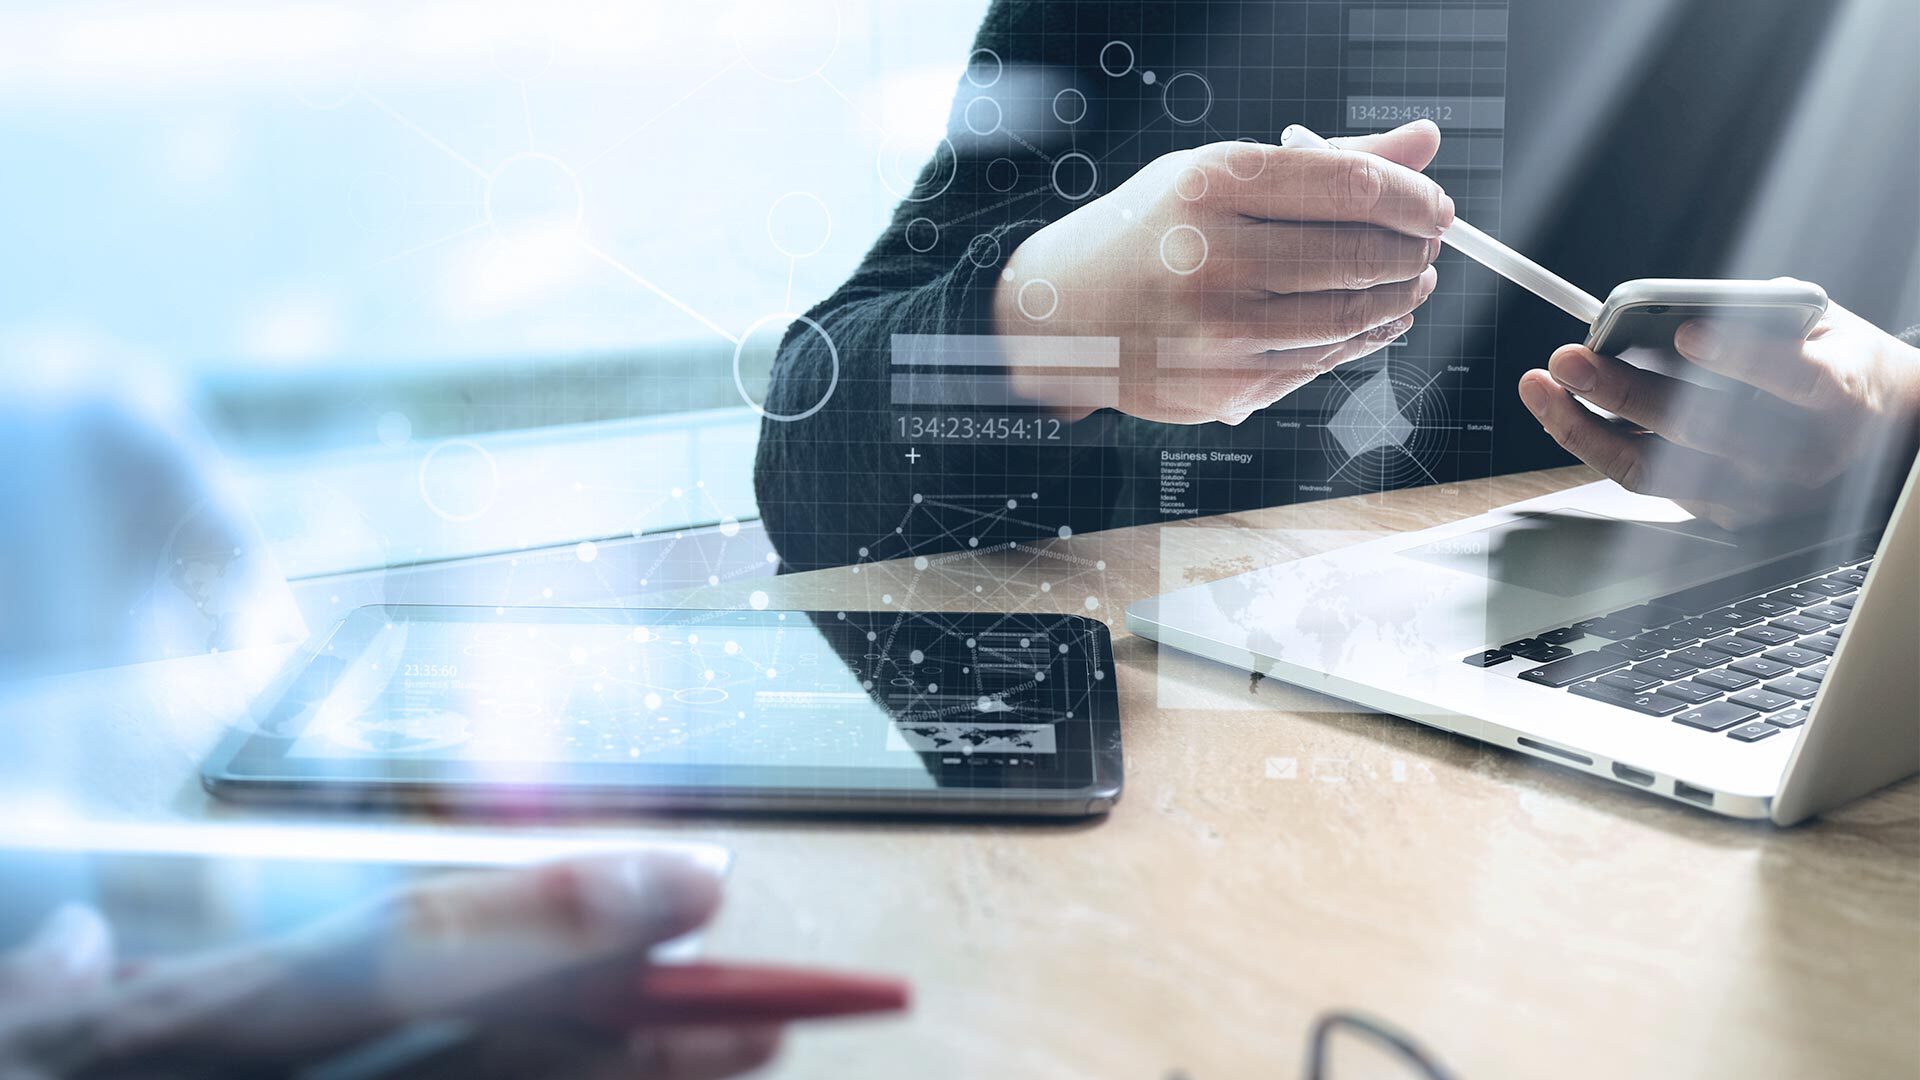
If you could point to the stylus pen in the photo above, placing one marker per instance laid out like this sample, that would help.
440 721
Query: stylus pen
1489 252
717 993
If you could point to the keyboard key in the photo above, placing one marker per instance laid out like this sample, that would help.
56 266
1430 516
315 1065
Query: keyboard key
1753 732
1629 682
1764 608
1856 577
1566 635
1796 597
1733 617
1834 632
1829 588
1536 650
1765 635
1645 615
1717 716
1700 656
1664 668
1761 666
1734 646
1489 658
1574 668
1670 638
1690 692
1793 654
1640 703
1797 688
1798 624
1828 613
1816 673
1823 645
1763 700
1726 680
1632 649
1845 601
1702 627
1611 629
1789 718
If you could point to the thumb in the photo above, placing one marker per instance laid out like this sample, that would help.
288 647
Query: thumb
1412 145
72 949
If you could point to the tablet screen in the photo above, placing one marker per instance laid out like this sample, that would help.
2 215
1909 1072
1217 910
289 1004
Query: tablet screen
720 698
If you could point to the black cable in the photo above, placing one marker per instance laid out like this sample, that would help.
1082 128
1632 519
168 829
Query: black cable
1379 1031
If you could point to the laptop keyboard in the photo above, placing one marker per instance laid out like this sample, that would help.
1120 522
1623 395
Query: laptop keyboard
1743 655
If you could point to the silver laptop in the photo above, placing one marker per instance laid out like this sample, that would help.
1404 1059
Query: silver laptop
1768 676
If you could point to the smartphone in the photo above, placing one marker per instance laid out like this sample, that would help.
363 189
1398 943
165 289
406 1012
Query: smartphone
531 709
1638 321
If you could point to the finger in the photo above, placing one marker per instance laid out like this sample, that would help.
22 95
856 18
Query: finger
1789 370
1284 257
1286 184
1680 412
1412 145
631 899
1306 320
1635 460
702 1053
1286 371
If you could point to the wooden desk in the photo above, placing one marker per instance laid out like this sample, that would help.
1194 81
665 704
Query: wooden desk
1275 854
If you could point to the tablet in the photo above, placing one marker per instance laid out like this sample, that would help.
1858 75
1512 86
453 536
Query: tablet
550 708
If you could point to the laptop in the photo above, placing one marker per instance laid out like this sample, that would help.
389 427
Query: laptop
1766 676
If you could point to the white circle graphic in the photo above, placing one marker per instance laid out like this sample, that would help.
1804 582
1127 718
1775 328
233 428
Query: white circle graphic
922 234
1186 113
1002 174
982 115
455 470
793 221
1191 184
700 695
900 164
785 318
1046 292
1069 106
1197 263
1109 61
1238 159
978 62
1093 175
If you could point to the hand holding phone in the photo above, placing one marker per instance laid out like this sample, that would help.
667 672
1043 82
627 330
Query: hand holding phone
1640 318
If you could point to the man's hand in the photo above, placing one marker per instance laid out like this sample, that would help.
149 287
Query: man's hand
1233 273
538 962
1848 394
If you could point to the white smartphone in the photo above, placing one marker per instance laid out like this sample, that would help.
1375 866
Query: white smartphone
1638 320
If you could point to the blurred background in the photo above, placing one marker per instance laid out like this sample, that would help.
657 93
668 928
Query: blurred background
362 242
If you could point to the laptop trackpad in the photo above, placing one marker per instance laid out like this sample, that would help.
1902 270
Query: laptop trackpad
1570 552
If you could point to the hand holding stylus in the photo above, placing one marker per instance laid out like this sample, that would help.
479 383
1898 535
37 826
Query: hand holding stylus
540 971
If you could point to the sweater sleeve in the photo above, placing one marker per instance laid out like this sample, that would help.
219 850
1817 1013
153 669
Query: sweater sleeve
835 477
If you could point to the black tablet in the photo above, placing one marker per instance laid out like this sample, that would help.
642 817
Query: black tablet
840 711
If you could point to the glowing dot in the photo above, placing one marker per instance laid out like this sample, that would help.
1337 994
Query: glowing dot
1039 676
707 675
917 497
969 643
587 551
863 553
917 656
677 493
693 639
652 701
920 563
1046 586
1065 532
732 648
973 541
1100 564
841 615
1013 504
871 636
1063 648
729 526
548 593
772 674
933 688
1026 643
773 557
1148 77
713 579
1093 603
757 600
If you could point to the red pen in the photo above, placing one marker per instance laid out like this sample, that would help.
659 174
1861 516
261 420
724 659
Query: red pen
718 993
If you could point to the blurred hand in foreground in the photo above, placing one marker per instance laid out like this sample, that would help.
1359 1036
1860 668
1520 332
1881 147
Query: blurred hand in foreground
536 965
